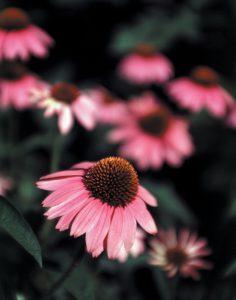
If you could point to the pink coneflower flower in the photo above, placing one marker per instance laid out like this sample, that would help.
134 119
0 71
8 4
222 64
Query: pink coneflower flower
152 135
19 38
137 248
181 254
15 85
6 184
102 200
109 107
145 66
201 90
66 101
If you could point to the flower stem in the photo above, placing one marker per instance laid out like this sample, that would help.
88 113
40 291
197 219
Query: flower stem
55 161
74 263
56 153
174 286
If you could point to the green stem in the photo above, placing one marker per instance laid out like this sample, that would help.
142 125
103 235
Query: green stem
11 135
59 283
56 153
174 286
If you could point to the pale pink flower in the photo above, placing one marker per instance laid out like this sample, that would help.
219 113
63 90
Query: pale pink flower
201 90
182 254
6 184
137 248
146 66
102 200
67 102
15 85
152 135
19 38
109 107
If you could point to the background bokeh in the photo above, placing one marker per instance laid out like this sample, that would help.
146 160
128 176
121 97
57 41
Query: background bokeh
91 37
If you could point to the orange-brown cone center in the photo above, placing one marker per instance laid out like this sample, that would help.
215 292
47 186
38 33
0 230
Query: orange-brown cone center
14 19
145 50
64 92
205 76
113 180
156 122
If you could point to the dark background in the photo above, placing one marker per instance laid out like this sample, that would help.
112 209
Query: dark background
87 52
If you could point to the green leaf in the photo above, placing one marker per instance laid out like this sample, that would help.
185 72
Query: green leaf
158 29
82 284
170 204
230 270
20 297
16 226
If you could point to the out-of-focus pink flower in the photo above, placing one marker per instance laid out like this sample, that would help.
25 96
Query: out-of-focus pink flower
19 38
137 248
231 116
102 200
6 184
66 101
145 66
152 135
15 85
109 107
201 90
181 254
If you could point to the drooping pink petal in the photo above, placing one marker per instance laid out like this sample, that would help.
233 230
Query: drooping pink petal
62 194
86 218
114 239
83 165
65 120
143 217
77 202
65 221
129 229
96 235
146 196
85 111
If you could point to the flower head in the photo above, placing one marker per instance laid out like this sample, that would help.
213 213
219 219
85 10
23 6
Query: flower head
181 254
6 184
109 107
19 38
16 83
102 200
66 101
145 66
201 90
152 135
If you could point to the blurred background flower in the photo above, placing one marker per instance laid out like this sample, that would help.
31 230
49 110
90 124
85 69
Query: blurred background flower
6 184
183 254
151 135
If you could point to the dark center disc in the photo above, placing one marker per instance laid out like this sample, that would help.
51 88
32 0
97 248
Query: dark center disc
12 70
205 76
64 92
113 180
155 123
14 19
